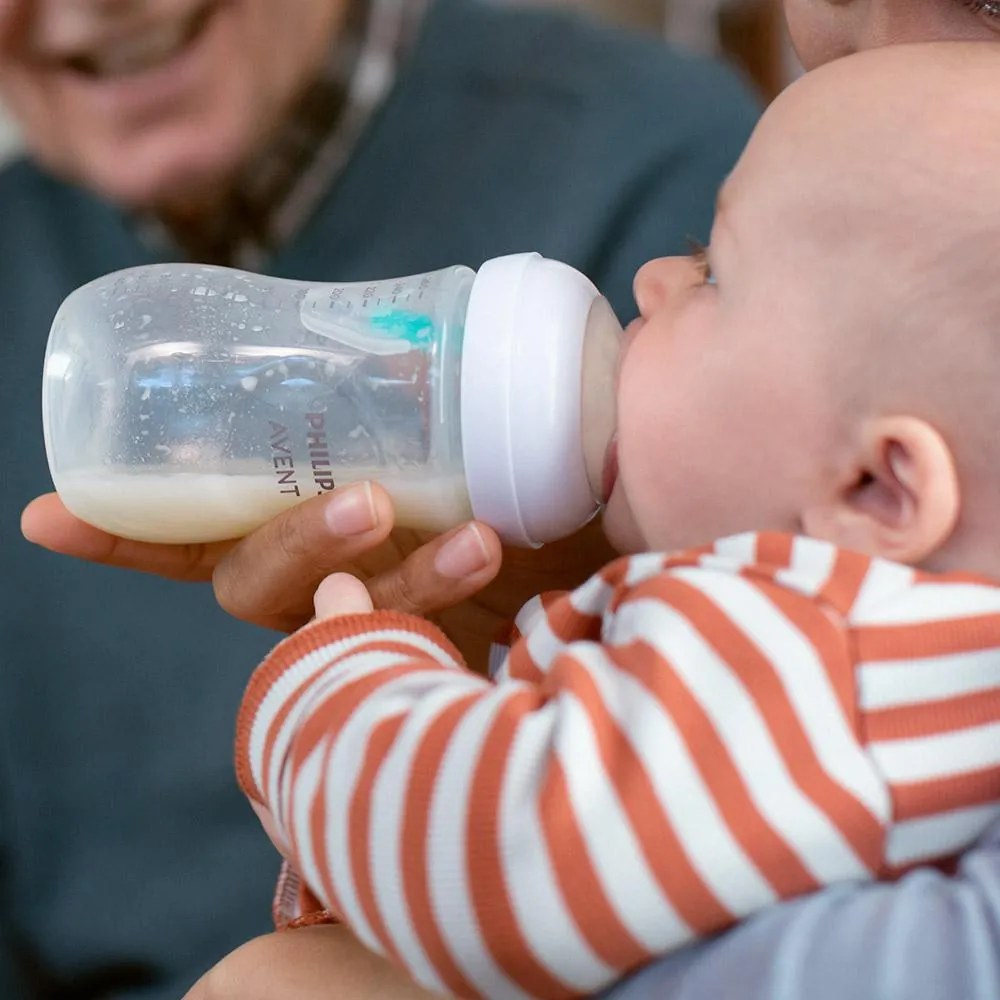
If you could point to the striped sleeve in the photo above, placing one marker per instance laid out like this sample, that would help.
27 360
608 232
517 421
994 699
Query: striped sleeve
548 623
690 764
929 692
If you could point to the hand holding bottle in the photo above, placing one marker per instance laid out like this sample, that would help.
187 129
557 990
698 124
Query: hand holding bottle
172 394
270 577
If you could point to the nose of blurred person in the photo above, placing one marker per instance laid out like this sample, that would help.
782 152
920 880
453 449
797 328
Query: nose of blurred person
660 281
157 103
823 30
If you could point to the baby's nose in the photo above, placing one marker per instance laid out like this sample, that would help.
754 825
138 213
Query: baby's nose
657 281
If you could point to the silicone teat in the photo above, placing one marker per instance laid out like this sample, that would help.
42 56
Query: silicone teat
601 347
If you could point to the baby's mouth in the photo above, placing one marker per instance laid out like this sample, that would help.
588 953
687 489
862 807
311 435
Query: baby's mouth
610 474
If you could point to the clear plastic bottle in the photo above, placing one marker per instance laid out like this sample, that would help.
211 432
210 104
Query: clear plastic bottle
185 403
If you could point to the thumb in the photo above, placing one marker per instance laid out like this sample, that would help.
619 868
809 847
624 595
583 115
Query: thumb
342 594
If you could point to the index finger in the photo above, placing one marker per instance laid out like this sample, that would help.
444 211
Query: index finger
47 522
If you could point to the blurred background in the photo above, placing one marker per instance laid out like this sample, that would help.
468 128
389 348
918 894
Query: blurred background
748 32
8 140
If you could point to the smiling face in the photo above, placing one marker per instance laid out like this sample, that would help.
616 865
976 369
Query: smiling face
154 102
823 30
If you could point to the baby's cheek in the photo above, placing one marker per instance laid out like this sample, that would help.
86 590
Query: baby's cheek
645 371
643 472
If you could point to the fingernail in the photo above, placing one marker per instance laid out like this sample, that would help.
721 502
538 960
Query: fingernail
462 555
351 511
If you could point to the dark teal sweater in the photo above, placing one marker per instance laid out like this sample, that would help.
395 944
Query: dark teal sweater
128 861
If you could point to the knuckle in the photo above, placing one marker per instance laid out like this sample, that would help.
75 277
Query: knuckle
289 536
407 595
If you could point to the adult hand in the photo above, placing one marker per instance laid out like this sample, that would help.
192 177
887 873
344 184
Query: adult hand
310 962
269 578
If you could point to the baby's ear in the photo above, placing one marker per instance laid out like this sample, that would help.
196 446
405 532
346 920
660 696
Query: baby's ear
903 501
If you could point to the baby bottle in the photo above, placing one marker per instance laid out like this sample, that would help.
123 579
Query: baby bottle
184 403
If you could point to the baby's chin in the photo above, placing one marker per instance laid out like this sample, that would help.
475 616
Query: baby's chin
619 525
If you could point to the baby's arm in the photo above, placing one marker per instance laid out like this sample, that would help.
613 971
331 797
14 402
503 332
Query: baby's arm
544 837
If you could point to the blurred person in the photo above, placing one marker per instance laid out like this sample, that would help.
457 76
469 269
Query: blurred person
320 139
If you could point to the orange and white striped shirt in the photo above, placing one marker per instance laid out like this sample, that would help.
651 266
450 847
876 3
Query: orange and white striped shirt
675 745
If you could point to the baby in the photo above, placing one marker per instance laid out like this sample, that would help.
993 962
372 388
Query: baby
689 738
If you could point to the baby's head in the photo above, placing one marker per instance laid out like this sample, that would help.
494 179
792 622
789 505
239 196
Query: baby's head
832 366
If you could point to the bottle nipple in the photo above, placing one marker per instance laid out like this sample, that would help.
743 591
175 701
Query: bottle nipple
599 403
538 397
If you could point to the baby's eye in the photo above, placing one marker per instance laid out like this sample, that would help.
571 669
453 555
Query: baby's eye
989 8
700 259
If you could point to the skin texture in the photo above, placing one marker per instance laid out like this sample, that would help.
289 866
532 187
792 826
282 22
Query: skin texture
170 137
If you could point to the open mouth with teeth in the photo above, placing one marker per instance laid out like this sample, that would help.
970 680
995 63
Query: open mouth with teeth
140 53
